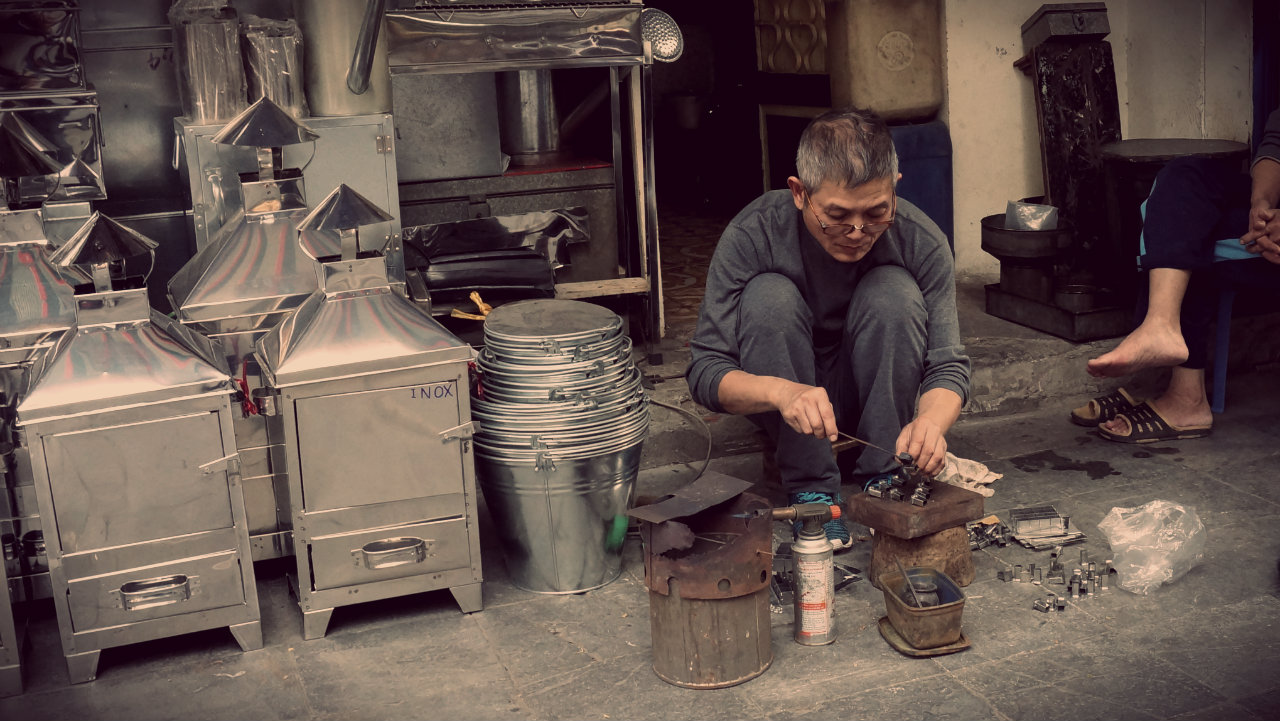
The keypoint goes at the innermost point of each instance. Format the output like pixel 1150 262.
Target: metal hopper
pixel 368 397
pixel 127 420
pixel 252 274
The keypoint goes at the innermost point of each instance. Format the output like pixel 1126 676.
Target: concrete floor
pixel 1206 646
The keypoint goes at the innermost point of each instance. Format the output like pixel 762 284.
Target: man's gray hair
pixel 847 147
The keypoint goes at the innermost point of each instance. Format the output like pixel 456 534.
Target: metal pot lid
pixel 525 354
pixel 550 323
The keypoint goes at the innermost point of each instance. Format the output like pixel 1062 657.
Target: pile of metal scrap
pixel 1086 580
pixel 1042 527
pixel 989 531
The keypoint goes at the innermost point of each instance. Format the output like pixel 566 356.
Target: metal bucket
pixel 561 417
pixel 562 522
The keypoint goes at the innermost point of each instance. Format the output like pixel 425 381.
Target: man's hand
pixel 923 439
pixel 1263 236
pixel 808 410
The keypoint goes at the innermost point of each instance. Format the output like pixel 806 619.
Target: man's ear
pixel 797 191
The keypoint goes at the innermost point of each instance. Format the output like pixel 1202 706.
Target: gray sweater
pixel 768 236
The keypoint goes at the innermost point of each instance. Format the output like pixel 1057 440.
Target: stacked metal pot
pixel 561 418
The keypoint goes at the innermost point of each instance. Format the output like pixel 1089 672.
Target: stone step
pixel 1015 369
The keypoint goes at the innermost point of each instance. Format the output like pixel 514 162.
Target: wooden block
pixel 949 506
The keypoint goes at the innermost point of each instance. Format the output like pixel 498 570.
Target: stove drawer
pixel 392 552
pixel 170 589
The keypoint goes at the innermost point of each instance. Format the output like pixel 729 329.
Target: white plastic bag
pixel 1153 544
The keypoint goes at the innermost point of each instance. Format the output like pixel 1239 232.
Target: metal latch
pixel 466 431
pixel 230 464
pixel 266 399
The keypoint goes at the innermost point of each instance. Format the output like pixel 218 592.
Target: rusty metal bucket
pixel 709 604
pixel 929 626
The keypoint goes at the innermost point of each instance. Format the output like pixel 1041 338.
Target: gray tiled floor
pixel 1204 647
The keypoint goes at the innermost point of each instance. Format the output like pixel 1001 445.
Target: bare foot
pixel 1148 346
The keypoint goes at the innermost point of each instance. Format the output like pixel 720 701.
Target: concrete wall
pixel 1183 70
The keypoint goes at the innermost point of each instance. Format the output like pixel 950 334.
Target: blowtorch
pixel 813 575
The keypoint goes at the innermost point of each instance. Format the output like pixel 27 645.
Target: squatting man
pixel 831 305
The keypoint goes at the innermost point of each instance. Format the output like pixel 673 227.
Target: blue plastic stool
pixel 1221 349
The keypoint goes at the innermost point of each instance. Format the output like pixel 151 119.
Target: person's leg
pixel 775 335
pixel 1157 341
pixel 882 363
pixel 1195 202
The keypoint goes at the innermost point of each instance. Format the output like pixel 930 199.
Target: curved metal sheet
pixel 264 125
pixel 117 360
pixel 364 329
pixel 343 209
pixel 512 34
pixel 257 267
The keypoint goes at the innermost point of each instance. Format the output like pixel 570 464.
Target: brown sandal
pixel 1104 408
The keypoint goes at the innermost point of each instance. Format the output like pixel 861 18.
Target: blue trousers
pixel 872 377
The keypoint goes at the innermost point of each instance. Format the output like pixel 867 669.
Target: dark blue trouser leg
pixel 873 378
pixel 1194 203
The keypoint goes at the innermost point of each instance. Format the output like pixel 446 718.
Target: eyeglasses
pixel 835 230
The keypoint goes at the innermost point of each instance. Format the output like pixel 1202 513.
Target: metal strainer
pixel 657 28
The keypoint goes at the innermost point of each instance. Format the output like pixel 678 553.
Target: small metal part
pixel 1039 579
pixel 1017 573
pixel 1084 557
pixel 1041 605
pixel 1004 575
pixel 1060 602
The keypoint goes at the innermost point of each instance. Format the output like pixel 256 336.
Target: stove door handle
pixel 152 592
pixel 391 552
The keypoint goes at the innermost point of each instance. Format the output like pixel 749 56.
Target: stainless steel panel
pixel 442 202
pixel 126 484
pixel 350 333
pixel 100 561
pixel 386 447
pixel 446 126
pixel 356 150
pixel 118 356
pixel 512 35
pixel 171 589
pixel 380 515
pixel 53 147
pixel 392 552
pixel 260 504
pixel 40 48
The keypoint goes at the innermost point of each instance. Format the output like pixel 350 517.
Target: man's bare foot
pixel 1148 346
